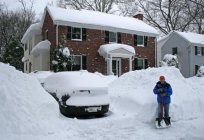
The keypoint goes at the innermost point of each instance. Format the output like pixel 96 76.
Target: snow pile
pixel 200 72
pixel 132 94
pixel 170 60
pixel 41 75
pixel 25 108
pixel 43 46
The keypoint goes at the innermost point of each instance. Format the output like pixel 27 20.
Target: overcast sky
pixel 39 5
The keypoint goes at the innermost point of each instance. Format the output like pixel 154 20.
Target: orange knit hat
pixel 162 78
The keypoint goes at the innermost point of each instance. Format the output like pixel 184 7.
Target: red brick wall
pixel 90 47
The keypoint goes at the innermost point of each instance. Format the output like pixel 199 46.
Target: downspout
pixel 155 42
pixel 57 41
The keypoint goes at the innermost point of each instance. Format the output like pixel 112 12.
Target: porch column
pixel 110 72
pixel 130 64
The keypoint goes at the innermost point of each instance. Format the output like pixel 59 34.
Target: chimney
pixel 139 15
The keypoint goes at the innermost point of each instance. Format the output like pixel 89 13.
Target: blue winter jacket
pixel 166 89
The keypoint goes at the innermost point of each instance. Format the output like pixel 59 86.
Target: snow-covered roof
pixel 99 20
pixel 192 37
pixel 34 29
pixel 41 47
pixel 106 49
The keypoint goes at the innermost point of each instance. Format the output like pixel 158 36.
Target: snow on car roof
pixel 67 82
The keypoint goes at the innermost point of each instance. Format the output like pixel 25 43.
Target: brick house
pixel 101 42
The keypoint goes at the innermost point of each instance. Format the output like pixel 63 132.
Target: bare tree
pixel 196 11
pixel 95 5
pixel 13 25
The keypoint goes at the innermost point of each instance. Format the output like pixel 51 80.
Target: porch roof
pixel 116 50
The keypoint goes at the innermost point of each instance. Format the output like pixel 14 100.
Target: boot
pixel 167 120
pixel 159 121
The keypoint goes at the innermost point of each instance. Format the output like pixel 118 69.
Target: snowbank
pixel 25 107
pixel 132 94
pixel 41 75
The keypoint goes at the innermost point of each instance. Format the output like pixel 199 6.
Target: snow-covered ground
pixel 28 112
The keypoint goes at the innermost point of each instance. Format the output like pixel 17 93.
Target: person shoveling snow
pixel 164 92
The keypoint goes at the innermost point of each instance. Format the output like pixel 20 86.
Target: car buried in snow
pixel 79 93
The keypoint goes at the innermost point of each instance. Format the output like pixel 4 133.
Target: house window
pixel 140 40
pixel 76 33
pixel 26 47
pixel 198 51
pixel 174 51
pixel 77 62
pixel 140 63
pixel 113 37
pixel 196 69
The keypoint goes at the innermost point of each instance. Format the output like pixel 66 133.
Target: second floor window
pixel 174 51
pixel 199 51
pixel 140 40
pixel 76 33
pixel 113 37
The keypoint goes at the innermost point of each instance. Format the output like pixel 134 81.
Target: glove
pixel 160 90
pixel 163 94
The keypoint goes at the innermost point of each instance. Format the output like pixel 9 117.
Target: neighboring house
pixel 106 43
pixel 189 48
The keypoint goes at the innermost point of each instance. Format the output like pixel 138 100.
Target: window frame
pixel 143 63
pixel 140 45
pixel 174 50
pixel 75 33
pixel 81 62
pixel 116 37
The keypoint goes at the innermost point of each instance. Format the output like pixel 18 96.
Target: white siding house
pixel 189 48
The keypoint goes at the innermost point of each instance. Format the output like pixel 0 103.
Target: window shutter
pixel 196 49
pixel 136 64
pixel 69 32
pixel 119 37
pixel 146 63
pixel 106 36
pixel 84 34
pixel 145 40
pixel 202 51
pixel 135 40
pixel 84 62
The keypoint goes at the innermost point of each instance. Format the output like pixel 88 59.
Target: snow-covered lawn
pixel 27 112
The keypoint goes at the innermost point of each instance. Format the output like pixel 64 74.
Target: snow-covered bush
pixel 61 57
pixel 170 60
pixel 200 72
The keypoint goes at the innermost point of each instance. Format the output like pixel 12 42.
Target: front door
pixel 116 66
